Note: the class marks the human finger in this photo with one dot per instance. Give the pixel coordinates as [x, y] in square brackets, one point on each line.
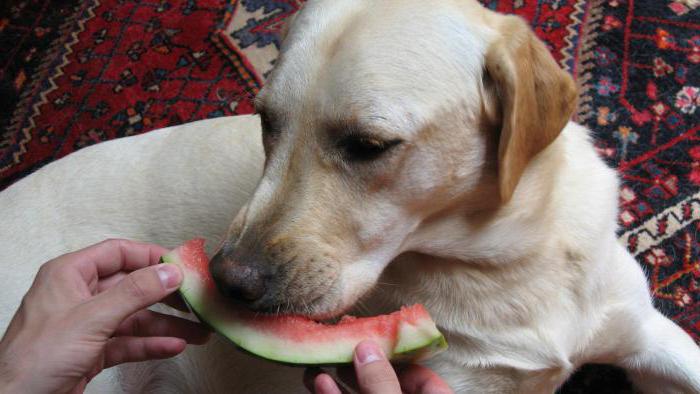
[375, 374]
[346, 382]
[122, 350]
[173, 300]
[416, 379]
[309, 376]
[108, 282]
[111, 256]
[147, 323]
[324, 384]
[134, 292]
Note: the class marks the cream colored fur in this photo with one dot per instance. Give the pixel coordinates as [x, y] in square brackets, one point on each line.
[526, 292]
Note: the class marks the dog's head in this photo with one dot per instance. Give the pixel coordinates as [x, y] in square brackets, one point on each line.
[379, 120]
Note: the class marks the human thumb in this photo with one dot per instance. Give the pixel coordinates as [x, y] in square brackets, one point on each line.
[136, 291]
[374, 372]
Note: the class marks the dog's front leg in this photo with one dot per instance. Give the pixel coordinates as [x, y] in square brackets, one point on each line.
[667, 360]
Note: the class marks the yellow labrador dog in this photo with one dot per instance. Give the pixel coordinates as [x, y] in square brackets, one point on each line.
[413, 152]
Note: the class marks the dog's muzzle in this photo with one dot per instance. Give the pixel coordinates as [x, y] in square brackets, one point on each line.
[241, 280]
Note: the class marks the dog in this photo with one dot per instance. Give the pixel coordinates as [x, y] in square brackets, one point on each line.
[413, 152]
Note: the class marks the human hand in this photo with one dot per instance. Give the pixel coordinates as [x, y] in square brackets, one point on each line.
[86, 312]
[375, 375]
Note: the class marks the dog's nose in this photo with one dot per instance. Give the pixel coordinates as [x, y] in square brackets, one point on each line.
[238, 280]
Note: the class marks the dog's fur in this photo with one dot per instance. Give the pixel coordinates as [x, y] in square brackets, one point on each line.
[481, 202]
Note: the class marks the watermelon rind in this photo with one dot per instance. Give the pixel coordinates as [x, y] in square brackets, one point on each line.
[414, 342]
[421, 351]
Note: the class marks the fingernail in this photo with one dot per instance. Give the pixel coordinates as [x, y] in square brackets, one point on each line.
[368, 352]
[324, 383]
[169, 275]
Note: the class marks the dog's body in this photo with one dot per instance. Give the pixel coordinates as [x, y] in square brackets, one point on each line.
[493, 211]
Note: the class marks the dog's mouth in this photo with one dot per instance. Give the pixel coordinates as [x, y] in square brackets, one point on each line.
[325, 310]
[335, 302]
[320, 310]
[311, 292]
[329, 318]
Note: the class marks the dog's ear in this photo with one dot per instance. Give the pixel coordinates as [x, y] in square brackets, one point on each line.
[536, 98]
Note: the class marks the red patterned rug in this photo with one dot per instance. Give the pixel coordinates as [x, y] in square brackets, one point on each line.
[78, 72]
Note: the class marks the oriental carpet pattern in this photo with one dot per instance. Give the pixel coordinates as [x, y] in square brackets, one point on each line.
[74, 73]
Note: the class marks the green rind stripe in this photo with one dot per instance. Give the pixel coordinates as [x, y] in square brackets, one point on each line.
[422, 351]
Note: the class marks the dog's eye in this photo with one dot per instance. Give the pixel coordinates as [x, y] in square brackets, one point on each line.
[365, 148]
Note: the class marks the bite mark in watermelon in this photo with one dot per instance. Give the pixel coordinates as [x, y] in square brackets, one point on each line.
[405, 335]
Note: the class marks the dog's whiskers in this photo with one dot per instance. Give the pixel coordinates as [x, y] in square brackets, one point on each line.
[305, 307]
[362, 308]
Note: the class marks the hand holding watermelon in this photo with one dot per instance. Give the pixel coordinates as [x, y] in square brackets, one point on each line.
[373, 374]
[86, 312]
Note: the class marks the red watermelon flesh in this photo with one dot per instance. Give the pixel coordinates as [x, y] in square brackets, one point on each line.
[407, 334]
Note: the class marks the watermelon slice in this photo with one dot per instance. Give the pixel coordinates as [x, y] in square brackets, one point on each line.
[406, 335]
